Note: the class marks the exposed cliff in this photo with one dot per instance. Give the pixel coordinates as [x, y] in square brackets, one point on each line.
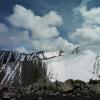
[19, 69]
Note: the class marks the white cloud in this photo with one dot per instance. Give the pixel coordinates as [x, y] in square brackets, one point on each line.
[52, 18]
[22, 17]
[41, 27]
[91, 16]
[3, 28]
[24, 36]
[52, 44]
[89, 32]
[45, 33]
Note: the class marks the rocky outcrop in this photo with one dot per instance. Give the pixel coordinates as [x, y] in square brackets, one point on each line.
[19, 69]
[46, 90]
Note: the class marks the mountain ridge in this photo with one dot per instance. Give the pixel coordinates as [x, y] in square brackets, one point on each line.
[67, 65]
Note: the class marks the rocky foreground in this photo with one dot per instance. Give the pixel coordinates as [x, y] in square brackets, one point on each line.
[46, 90]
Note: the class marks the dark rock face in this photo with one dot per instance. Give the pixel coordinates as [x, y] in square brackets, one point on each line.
[4, 55]
[32, 72]
[19, 69]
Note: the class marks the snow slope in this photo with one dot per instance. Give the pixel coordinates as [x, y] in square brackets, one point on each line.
[73, 66]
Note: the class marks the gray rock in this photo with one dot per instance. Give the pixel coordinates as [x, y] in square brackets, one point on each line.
[95, 88]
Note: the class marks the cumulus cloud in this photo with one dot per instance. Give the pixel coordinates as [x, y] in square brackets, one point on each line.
[91, 16]
[41, 27]
[89, 32]
[4, 37]
[52, 44]
[3, 28]
[12, 38]
[24, 36]
[45, 34]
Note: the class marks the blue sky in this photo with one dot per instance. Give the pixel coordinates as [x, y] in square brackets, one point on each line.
[70, 16]
[41, 7]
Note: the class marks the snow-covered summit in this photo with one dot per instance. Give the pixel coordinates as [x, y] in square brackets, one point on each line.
[74, 66]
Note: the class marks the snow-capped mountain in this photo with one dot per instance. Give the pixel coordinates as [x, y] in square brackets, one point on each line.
[23, 69]
[75, 64]
[83, 66]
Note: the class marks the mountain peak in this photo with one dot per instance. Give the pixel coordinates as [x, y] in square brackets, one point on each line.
[76, 50]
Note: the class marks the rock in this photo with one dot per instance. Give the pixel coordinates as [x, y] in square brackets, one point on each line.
[40, 98]
[3, 88]
[13, 99]
[26, 68]
[94, 81]
[95, 88]
[44, 90]
[66, 86]
[6, 96]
